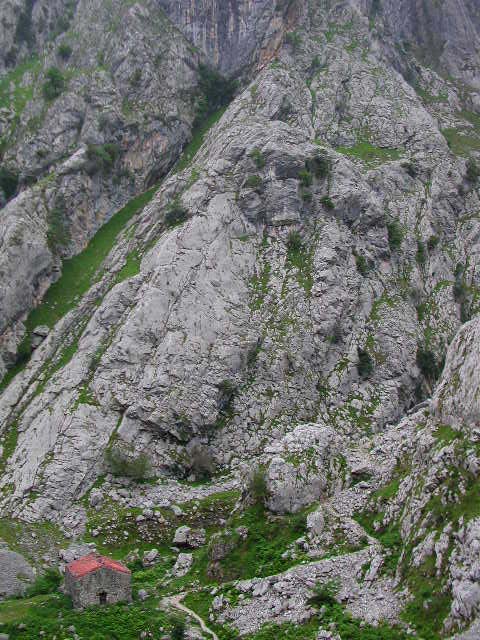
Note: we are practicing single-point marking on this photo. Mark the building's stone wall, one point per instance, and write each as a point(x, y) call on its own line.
point(85, 591)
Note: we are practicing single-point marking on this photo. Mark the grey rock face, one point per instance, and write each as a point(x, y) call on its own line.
point(231, 32)
point(188, 537)
point(15, 575)
point(298, 474)
point(299, 315)
point(131, 102)
point(182, 565)
point(447, 35)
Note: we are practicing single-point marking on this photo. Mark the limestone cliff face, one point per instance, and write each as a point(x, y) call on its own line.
point(231, 33)
point(129, 80)
point(290, 292)
point(28, 25)
point(446, 35)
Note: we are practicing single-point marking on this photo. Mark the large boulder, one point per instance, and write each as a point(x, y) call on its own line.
point(300, 472)
point(15, 574)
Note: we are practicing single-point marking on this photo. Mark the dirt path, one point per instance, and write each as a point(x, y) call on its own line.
point(176, 602)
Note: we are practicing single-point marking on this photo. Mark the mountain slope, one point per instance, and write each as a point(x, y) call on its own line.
point(283, 300)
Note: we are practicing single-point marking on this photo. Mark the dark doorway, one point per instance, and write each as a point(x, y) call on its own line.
point(103, 597)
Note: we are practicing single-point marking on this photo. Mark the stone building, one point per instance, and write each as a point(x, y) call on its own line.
point(94, 580)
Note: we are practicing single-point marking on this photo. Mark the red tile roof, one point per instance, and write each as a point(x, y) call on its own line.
point(93, 562)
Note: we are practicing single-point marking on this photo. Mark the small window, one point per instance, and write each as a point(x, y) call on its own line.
point(103, 597)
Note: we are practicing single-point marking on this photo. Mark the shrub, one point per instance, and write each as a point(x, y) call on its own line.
point(428, 365)
point(421, 255)
point(395, 234)
point(305, 178)
point(294, 242)
point(327, 202)
point(178, 629)
point(365, 363)
point(201, 463)
point(54, 84)
point(319, 166)
point(316, 63)
point(64, 51)
point(362, 264)
point(228, 390)
point(257, 156)
point(215, 90)
point(253, 182)
point(411, 168)
point(136, 78)
point(473, 171)
point(433, 242)
point(58, 234)
point(45, 583)
point(175, 215)
point(324, 594)
point(101, 157)
point(307, 196)
point(294, 39)
point(8, 182)
point(121, 464)
point(257, 486)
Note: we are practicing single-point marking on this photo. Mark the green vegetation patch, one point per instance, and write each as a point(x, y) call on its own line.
point(196, 142)
point(260, 554)
point(370, 155)
point(51, 616)
point(300, 257)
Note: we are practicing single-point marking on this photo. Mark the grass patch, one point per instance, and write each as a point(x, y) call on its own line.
point(196, 142)
point(372, 156)
point(260, 554)
point(445, 434)
point(50, 616)
point(300, 257)
point(461, 144)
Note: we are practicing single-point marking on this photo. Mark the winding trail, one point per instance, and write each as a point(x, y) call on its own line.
point(176, 602)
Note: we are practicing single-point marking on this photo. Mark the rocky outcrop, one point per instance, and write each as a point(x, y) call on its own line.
point(286, 301)
point(112, 131)
point(16, 574)
point(232, 34)
point(285, 295)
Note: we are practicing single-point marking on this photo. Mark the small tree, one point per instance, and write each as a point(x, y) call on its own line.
point(176, 214)
point(64, 51)
point(324, 594)
point(257, 487)
point(257, 156)
point(253, 182)
point(319, 166)
point(473, 171)
point(428, 365)
point(395, 234)
point(54, 84)
point(365, 363)
point(362, 264)
point(178, 629)
point(327, 202)
point(421, 255)
point(8, 182)
point(124, 465)
point(305, 177)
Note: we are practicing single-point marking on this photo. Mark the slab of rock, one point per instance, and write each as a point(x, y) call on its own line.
point(15, 574)
point(188, 537)
point(150, 558)
point(182, 565)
